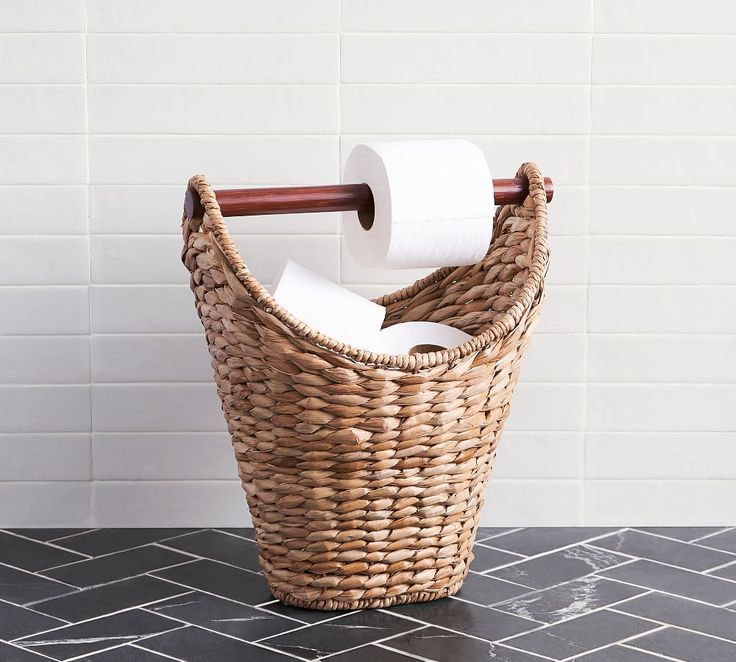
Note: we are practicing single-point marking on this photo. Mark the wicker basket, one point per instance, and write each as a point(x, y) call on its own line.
point(365, 473)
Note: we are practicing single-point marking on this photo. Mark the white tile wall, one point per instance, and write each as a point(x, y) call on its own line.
point(625, 411)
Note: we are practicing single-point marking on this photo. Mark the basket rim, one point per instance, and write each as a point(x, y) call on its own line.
point(502, 326)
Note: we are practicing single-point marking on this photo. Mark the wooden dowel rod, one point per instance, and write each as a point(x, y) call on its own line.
point(338, 197)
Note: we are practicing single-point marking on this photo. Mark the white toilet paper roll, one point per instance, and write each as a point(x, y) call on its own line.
point(417, 337)
point(327, 307)
point(433, 204)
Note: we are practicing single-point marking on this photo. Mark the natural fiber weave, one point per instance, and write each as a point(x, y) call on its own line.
point(365, 473)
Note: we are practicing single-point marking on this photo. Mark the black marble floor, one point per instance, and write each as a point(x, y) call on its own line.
point(587, 594)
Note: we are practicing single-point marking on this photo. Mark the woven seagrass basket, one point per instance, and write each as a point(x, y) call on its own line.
point(365, 473)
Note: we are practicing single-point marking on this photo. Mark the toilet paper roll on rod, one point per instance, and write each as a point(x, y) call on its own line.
point(336, 197)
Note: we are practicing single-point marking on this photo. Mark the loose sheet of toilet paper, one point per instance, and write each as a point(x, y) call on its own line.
point(433, 204)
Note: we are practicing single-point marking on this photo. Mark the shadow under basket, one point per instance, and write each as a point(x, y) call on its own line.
point(365, 473)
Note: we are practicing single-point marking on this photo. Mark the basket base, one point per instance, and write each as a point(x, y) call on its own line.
point(371, 603)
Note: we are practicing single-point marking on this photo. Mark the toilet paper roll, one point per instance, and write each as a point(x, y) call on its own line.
point(327, 307)
point(417, 337)
point(433, 204)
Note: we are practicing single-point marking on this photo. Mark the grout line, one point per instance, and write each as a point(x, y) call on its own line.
point(576, 656)
point(377, 641)
point(648, 652)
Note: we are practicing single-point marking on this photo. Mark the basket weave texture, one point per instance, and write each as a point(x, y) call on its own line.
point(365, 473)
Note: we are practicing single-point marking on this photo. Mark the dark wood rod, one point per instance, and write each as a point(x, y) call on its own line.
point(338, 197)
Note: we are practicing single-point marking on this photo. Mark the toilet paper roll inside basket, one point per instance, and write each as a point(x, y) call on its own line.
point(433, 204)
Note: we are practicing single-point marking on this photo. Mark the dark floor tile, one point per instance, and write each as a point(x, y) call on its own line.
point(117, 566)
point(582, 634)
point(243, 533)
point(303, 615)
point(487, 532)
point(669, 579)
point(106, 541)
point(656, 548)
point(486, 558)
point(101, 633)
point(219, 547)
point(574, 598)
point(125, 653)
point(560, 566)
point(684, 533)
point(716, 621)
point(225, 616)
point(618, 653)
point(23, 587)
point(371, 653)
point(685, 645)
point(196, 645)
point(45, 535)
point(464, 617)
point(445, 646)
point(486, 590)
point(725, 541)
point(538, 540)
point(220, 579)
point(32, 555)
point(727, 572)
point(110, 598)
point(357, 629)
point(10, 653)
point(18, 622)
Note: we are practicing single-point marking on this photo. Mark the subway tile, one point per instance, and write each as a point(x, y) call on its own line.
point(170, 503)
point(39, 210)
point(539, 455)
point(565, 157)
point(65, 457)
point(659, 455)
point(150, 358)
point(661, 260)
point(661, 358)
point(542, 539)
point(226, 109)
point(547, 407)
point(663, 160)
point(45, 504)
point(664, 60)
point(44, 360)
point(152, 259)
point(41, 58)
point(212, 59)
point(660, 407)
point(41, 16)
point(450, 109)
point(570, 262)
point(44, 310)
point(270, 160)
point(661, 502)
point(44, 408)
point(568, 214)
point(184, 16)
point(163, 456)
point(156, 408)
point(663, 16)
point(688, 210)
point(463, 16)
point(42, 109)
point(43, 159)
point(695, 110)
point(44, 260)
point(465, 58)
point(686, 643)
point(555, 357)
point(144, 309)
point(131, 209)
point(661, 309)
point(532, 503)
point(564, 310)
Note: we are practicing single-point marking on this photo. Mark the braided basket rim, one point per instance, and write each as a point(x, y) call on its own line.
point(528, 292)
